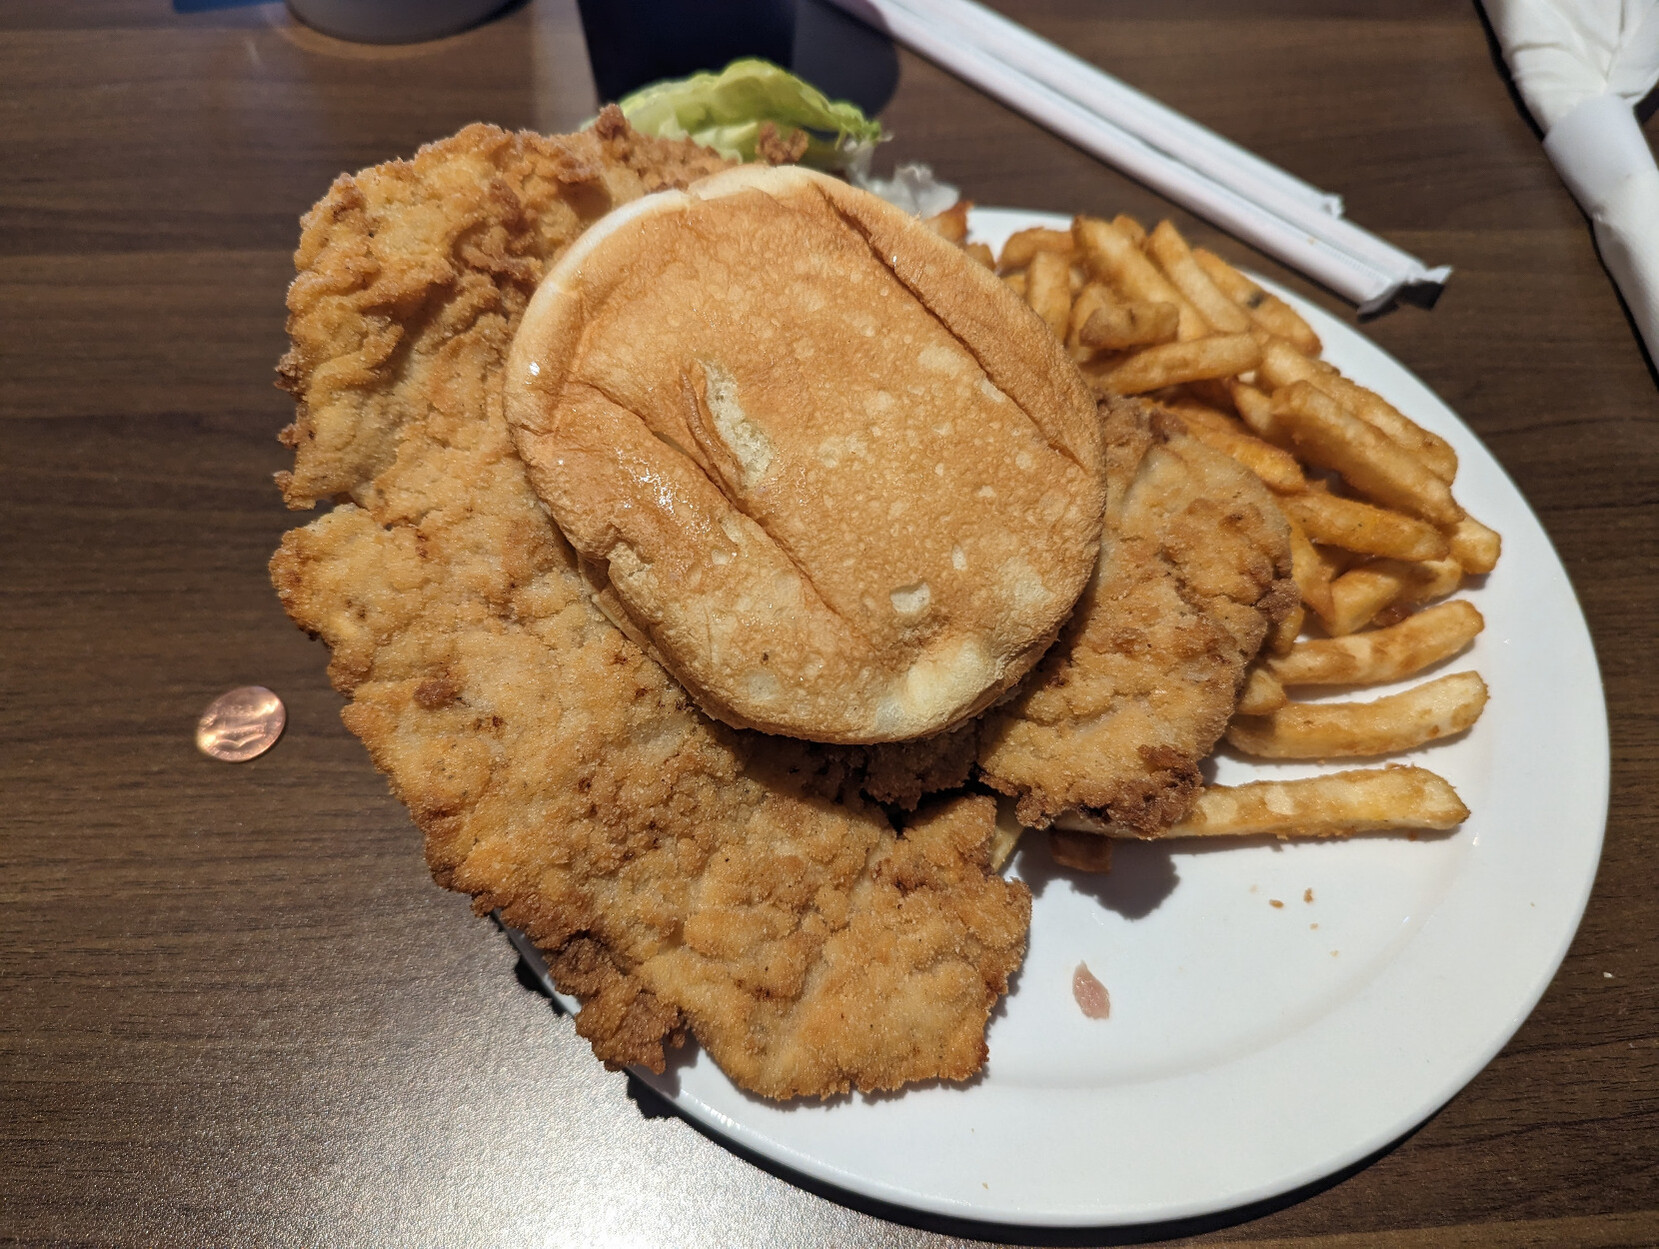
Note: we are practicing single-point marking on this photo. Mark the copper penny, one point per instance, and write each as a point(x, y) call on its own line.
point(241, 724)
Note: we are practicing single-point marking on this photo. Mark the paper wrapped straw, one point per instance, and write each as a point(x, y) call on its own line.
point(1142, 116)
point(1245, 195)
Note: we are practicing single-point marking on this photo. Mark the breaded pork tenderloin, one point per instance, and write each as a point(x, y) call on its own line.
point(682, 878)
point(1194, 568)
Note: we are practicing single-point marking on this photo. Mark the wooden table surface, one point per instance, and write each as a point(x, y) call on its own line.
point(233, 1007)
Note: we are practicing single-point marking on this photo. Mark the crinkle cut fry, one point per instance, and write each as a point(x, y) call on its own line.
point(679, 875)
point(1143, 680)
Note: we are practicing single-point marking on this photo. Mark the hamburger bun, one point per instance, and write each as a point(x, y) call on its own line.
point(837, 477)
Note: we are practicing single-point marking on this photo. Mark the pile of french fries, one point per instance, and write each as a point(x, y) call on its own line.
point(1378, 540)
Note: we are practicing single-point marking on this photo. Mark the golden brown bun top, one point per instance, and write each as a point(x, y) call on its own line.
point(841, 480)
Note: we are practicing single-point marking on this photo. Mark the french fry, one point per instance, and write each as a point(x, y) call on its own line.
point(982, 253)
point(1093, 296)
point(952, 224)
point(1048, 290)
point(1475, 547)
point(1380, 655)
point(1018, 251)
point(1327, 435)
point(1112, 256)
point(1255, 409)
point(1427, 579)
point(1356, 526)
point(1082, 852)
point(1371, 407)
point(1282, 365)
point(1311, 574)
point(1115, 325)
point(1133, 230)
point(1262, 694)
point(1386, 591)
point(1275, 466)
point(1359, 594)
point(1268, 311)
point(1077, 277)
point(1174, 257)
point(1016, 282)
point(1338, 804)
point(1425, 713)
point(1171, 363)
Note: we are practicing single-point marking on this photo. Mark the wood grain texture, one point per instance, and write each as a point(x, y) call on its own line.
point(234, 1009)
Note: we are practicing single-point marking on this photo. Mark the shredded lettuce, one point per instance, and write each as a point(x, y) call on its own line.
point(726, 111)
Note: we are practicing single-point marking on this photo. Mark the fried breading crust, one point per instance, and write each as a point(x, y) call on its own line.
point(678, 874)
point(1194, 565)
point(396, 262)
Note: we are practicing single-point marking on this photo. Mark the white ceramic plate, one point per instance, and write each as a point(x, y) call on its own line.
point(1278, 1011)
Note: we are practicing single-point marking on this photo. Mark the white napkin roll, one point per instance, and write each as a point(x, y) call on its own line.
point(1603, 158)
